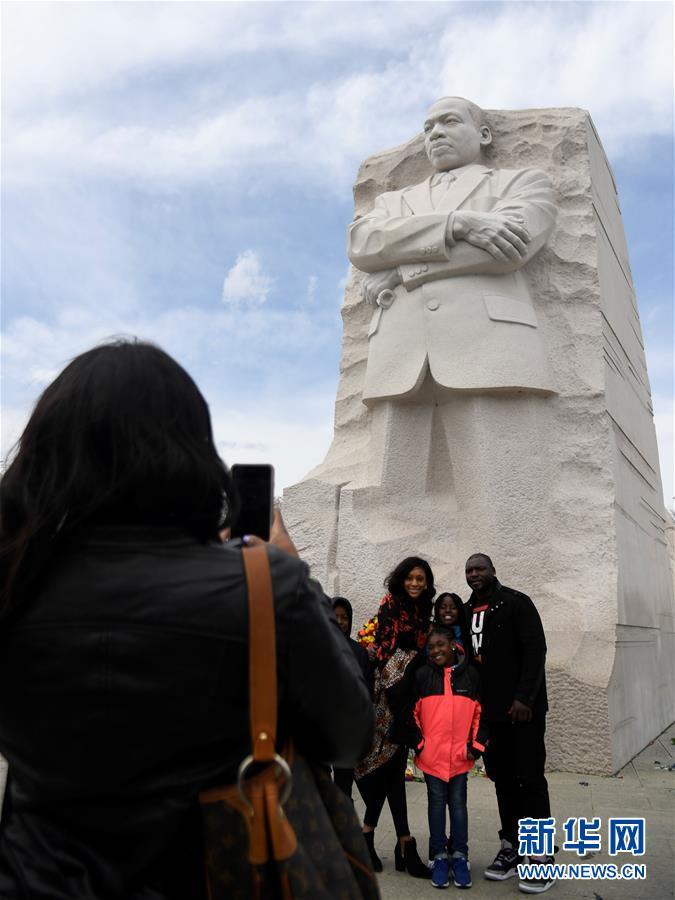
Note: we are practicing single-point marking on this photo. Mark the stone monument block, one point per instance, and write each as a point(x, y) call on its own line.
point(507, 411)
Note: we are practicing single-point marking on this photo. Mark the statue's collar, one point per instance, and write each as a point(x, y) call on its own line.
point(468, 178)
point(458, 172)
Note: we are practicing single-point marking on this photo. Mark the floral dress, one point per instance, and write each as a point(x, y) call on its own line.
point(402, 626)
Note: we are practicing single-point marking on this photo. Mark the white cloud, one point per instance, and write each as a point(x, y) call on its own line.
point(292, 445)
point(312, 284)
point(611, 58)
point(245, 281)
point(77, 104)
point(214, 345)
point(53, 50)
point(291, 429)
point(56, 49)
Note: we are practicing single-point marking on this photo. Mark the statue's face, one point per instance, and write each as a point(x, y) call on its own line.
point(451, 137)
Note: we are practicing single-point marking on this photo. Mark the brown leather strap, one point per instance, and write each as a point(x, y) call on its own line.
point(262, 653)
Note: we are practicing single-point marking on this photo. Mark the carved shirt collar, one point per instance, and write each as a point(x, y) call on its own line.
point(438, 177)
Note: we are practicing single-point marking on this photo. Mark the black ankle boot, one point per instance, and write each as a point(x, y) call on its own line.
point(408, 859)
point(369, 838)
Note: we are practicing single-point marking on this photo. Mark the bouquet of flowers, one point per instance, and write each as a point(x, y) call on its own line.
point(366, 634)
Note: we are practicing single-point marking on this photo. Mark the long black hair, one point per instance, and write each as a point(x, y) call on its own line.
point(122, 435)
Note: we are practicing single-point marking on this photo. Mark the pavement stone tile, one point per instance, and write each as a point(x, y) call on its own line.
point(659, 780)
point(662, 799)
point(656, 818)
point(637, 802)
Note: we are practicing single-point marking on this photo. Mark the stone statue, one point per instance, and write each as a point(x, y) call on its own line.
point(457, 372)
point(494, 398)
point(443, 260)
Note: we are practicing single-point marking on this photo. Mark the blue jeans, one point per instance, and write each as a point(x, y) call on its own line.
point(453, 794)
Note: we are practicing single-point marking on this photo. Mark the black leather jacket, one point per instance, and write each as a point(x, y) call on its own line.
point(124, 691)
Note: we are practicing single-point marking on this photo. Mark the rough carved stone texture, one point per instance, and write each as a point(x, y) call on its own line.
point(585, 534)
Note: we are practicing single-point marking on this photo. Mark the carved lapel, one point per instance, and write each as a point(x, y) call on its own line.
point(418, 197)
point(462, 188)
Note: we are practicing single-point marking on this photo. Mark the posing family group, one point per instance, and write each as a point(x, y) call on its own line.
point(453, 681)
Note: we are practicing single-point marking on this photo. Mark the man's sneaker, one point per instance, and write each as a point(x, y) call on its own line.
point(536, 885)
point(440, 872)
point(504, 864)
point(461, 871)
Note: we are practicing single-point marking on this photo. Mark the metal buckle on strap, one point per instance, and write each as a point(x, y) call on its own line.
point(286, 773)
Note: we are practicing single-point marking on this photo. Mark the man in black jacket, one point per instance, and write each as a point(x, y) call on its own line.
point(510, 649)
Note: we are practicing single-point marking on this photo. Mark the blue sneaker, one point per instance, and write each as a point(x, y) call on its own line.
point(461, 871)
point(440, 872)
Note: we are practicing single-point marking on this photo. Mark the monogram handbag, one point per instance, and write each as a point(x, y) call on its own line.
point(283, 830)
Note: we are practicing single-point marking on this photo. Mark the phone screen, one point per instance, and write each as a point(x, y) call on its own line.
point(255, 485)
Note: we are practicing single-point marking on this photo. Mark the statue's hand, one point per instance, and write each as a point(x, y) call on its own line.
point(503, 236)
point(374, 284)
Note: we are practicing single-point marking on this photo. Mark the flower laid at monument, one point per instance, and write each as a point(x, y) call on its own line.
point(412, 773)
point(366, 634)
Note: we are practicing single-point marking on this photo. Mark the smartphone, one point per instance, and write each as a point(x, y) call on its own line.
point(255, 486)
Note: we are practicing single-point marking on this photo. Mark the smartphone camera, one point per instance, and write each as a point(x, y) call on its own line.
point(255, 485)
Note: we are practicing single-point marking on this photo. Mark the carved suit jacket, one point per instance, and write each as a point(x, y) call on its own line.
point(468, 316)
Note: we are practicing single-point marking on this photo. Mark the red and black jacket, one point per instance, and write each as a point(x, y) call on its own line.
point(448, 717)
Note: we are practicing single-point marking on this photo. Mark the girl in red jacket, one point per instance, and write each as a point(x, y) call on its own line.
point(447, 713)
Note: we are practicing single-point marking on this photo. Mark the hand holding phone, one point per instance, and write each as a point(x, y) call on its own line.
point(279, 537)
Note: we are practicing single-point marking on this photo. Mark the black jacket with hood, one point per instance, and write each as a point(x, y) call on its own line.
point(360, 653)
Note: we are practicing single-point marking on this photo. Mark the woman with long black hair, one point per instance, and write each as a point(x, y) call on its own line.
point(402, 627)
point(124, 638)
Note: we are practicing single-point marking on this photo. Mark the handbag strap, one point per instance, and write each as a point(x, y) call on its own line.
point(262, 653)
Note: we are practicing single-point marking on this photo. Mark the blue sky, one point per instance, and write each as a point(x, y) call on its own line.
point(183, 172)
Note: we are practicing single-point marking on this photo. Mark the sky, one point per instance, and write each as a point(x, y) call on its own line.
point(183, 172)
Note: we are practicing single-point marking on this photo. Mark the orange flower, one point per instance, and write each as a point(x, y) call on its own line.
point(366, 635)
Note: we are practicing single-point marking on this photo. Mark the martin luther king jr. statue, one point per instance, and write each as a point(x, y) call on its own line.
point(457, 378)
point(443, 260)
point(494, 397)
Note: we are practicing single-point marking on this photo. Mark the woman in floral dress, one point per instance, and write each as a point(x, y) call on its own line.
point(402, 627)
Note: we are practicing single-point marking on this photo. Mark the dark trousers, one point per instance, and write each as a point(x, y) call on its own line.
point(515, 760)
point(387, 782)
point(344, 778)
point(450, 794)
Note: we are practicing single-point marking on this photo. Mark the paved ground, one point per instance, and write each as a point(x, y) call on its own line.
point(646, 787)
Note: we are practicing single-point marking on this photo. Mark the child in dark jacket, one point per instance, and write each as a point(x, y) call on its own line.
point(451, 613)
point(447, 714)
point(344, 778)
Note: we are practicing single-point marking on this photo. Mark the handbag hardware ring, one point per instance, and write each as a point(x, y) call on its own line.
point(285, 771)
